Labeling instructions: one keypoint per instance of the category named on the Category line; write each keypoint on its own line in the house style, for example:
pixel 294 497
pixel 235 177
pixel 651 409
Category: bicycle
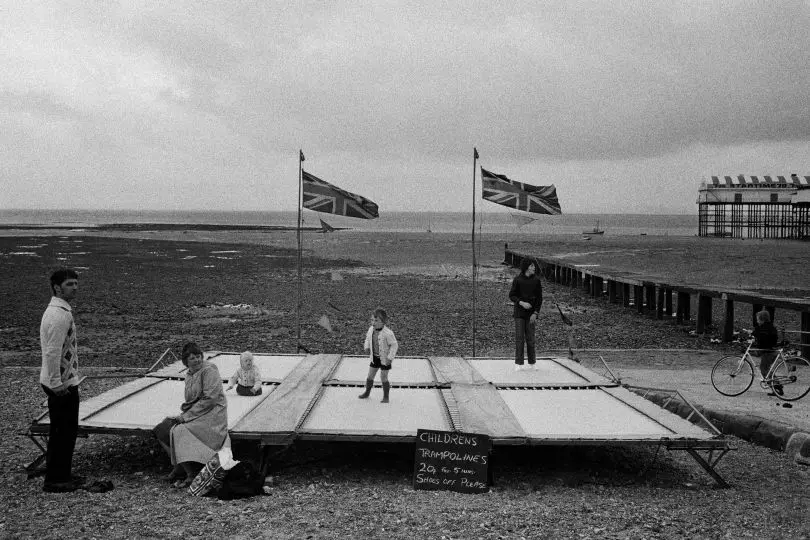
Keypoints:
pixel 788 378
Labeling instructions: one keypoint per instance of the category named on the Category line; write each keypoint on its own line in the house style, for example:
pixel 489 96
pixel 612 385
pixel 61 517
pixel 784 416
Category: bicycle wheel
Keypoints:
pixel 731 375
pixel 793 374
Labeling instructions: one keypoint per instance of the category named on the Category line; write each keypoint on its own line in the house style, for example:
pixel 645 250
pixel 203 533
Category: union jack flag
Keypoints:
pixel 499 189
pixel 322 196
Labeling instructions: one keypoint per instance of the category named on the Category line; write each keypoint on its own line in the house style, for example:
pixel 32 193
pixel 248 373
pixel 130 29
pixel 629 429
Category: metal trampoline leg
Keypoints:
pixel 33 468
pixel 708 466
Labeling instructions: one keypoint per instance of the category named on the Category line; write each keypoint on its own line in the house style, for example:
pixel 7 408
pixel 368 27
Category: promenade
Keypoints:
pixel 754 415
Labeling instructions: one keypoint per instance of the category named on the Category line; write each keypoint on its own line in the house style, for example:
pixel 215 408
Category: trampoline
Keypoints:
pixel 314 397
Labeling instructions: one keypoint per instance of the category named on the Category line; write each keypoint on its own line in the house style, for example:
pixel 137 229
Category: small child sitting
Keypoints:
pixel 248 378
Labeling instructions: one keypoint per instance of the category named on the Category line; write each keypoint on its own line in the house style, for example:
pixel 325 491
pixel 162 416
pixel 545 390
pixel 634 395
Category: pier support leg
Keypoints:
pixel 586 283
pixel 659 304
pixel 684 312
pixel 649 293
pixel 611 286
pixel 625 294
pixel 598 286
pixel 704 313
pixel 668 303
pixel 728 321
pixel 638 297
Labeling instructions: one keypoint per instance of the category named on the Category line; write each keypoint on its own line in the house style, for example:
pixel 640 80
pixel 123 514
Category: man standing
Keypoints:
pixel 59 378
pixel 527 295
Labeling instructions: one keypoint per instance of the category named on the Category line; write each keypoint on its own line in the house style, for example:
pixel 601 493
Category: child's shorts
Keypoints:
pixel 247 390
pixel 376 363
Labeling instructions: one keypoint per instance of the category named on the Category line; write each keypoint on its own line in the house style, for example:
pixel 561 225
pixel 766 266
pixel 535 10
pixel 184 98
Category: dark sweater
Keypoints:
pixel 526 289
pixel 765 336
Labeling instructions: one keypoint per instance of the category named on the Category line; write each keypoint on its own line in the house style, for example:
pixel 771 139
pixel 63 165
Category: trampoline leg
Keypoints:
pixel 33 468
pixel 709 468
pixel 491 469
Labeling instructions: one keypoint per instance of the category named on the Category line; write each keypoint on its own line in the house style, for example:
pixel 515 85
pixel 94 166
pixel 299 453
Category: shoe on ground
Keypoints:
pixel 518 367
pixel 60 487
pixel 533 367
pixel 779 390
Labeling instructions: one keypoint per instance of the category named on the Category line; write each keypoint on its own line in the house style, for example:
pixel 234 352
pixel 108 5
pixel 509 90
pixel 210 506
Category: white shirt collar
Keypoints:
pixel 58 302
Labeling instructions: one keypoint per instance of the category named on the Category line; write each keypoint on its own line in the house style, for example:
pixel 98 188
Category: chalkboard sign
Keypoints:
pixel 451 460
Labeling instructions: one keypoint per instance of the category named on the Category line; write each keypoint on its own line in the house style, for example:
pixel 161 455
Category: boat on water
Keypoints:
pixel 595 231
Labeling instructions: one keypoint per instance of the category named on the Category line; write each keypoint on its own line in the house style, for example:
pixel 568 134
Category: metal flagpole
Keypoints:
pixel 298 235
pixel 475 159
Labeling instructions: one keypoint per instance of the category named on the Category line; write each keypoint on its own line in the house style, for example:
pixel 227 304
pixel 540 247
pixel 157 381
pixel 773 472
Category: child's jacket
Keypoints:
pixel 387 344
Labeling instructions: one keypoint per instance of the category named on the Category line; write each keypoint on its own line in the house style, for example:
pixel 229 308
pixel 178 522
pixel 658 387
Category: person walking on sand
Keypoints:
pixel 59 378
pixel 382 346
pixel 526 294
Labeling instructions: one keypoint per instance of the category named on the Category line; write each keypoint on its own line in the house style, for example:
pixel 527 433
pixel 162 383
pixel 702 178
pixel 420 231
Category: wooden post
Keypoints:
pixel 611 285
pixel 668 302
pixel 805 339
pixel 598 286
pixel 755 308
pixel 659 305
pixel 704 313
pixel 728 322
pixel 625 294
pixel 684 312
pixel 650 296
pixel 586 283
pixel 638 296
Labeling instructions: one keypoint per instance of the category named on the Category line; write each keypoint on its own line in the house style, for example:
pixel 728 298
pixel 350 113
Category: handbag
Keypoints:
pixel 210 477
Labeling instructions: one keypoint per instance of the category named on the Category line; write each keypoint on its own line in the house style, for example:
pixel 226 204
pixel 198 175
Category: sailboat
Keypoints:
pixel 595 231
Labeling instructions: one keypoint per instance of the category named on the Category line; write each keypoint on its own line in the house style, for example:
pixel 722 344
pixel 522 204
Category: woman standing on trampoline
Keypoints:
pixel 201 429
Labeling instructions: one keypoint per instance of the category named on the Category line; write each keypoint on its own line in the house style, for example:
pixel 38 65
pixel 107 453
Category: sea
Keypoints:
pixel 406 222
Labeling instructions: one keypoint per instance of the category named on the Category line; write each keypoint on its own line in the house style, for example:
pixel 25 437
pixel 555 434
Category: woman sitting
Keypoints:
pixel 201 430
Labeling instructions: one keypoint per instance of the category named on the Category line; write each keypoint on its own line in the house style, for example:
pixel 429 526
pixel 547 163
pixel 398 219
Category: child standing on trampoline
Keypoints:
pixel 382 346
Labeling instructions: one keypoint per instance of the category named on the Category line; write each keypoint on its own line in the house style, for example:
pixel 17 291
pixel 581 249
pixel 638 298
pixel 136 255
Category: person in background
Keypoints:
pixel 382 346
pixel 248 378
pixel 766 338
pixel 201 429
pixel 526 294
pixel 59 377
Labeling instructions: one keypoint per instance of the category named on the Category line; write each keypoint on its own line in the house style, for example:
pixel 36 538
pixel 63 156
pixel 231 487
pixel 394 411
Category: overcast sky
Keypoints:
pixel 624 106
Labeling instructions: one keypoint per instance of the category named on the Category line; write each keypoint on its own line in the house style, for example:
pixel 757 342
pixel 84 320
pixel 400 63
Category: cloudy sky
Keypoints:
pixel 623 105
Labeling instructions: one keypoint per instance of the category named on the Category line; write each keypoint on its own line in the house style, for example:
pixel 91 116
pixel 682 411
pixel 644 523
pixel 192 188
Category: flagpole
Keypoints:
pixel 475 159
pixel 298 236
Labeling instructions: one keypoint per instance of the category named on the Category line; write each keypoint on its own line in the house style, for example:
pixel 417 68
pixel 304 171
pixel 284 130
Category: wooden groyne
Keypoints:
pixel 648 295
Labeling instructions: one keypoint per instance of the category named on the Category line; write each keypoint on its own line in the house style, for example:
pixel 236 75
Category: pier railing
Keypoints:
pixel 648 295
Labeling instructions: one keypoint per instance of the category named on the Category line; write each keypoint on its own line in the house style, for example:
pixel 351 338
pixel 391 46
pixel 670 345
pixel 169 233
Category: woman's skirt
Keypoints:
pixel 186 447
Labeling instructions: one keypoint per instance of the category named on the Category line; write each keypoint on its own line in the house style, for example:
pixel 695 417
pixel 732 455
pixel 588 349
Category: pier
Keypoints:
pixel 665 299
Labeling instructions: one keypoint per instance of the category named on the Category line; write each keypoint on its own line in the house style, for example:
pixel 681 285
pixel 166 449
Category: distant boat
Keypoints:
pixel 595 231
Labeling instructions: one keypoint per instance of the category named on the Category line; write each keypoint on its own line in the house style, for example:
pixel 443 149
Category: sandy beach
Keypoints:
pixel 141 294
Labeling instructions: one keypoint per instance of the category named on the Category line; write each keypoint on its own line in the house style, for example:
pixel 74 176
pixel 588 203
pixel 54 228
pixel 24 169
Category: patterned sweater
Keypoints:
pixel 57 335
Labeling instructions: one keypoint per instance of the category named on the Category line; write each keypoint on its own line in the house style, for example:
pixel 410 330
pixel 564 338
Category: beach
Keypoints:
pixel 141 294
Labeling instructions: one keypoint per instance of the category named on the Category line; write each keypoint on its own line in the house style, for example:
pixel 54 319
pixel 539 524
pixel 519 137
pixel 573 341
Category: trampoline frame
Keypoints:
pixel 715 448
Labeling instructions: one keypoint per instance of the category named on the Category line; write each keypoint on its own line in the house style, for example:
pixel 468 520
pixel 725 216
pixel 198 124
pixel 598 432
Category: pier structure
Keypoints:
pixel 755 207
pixel 665 299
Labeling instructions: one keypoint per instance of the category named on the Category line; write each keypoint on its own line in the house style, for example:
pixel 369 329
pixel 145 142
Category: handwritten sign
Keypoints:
pixel 452 461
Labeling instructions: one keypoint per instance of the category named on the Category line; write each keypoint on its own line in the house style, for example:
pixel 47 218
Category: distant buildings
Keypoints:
pixel 755 207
